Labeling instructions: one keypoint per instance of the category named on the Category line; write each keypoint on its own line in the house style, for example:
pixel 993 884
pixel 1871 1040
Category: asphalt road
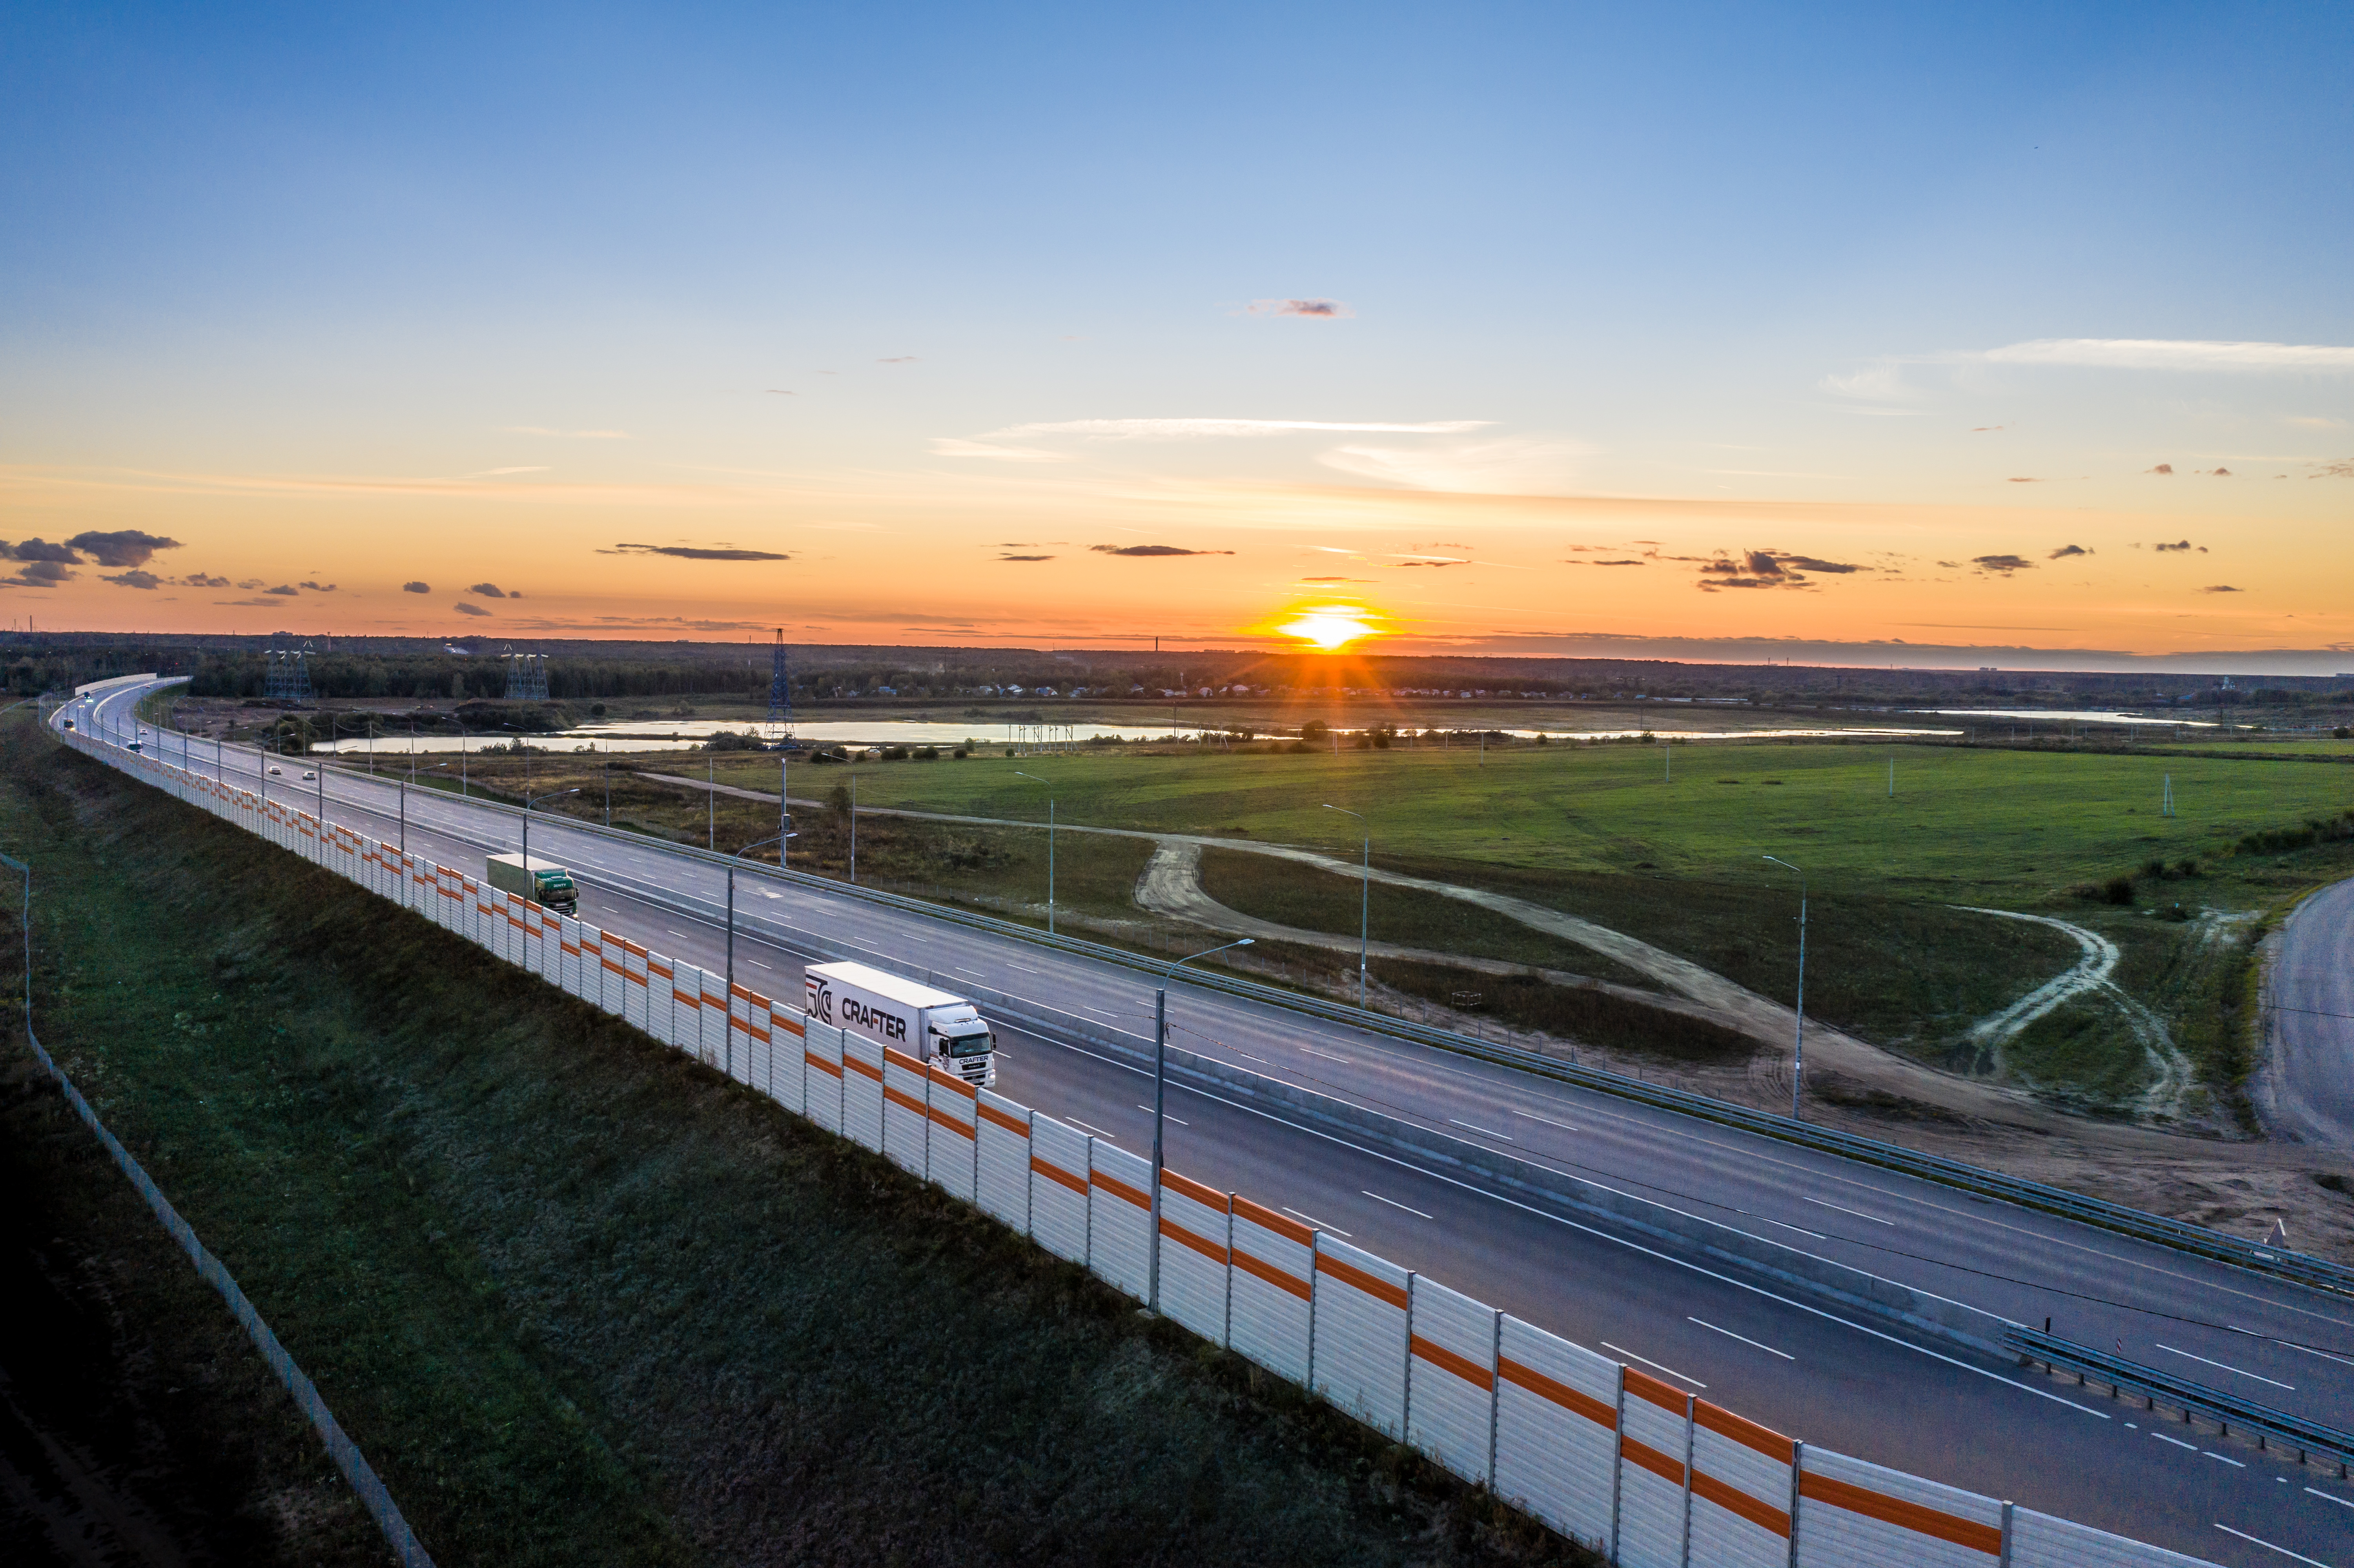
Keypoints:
pixel 1843 1383
pixel 2309 1080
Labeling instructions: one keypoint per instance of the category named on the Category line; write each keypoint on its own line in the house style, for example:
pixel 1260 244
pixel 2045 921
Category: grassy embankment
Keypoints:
pixel 582 1301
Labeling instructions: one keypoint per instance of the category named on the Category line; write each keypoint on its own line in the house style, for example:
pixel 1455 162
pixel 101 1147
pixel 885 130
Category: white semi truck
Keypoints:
pixel 920 1019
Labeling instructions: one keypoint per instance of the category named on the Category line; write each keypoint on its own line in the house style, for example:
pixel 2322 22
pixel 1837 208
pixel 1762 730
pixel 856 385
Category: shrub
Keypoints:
pixel 2186 866
pixel 2118 890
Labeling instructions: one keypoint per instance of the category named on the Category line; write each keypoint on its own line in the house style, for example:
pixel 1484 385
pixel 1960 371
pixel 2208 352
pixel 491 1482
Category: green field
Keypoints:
pixel 1984 825
pixel 581 1301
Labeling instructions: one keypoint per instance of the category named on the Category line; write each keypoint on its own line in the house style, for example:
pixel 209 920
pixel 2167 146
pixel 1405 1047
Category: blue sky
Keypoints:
pixel 787 275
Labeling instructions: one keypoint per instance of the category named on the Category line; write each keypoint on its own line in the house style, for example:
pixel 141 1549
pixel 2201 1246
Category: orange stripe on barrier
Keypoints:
pixel 1645 1457
pixel 688 997
pixel 820 1064
pixel 1184 1237
pixel 1470 1371
pixel 1208 1196
pixel 571 950
pixel 1916 1516
pixel 1765 1516
pixel 615 968
pixel 1119 1189
pixel 1643 1385
pixel 905 1102
pixel 760 1003
pixel 1280 1278
pixel 1267 1218
pixel 1012 1124
pixel 736 988
pixel 1348 1274
pixel 1575 1400
pixel 901 1060
pixel 1747 1432
pixel 855 1065
pixel 1057 1173
pixel 962 1129
pixel 945 1079
pixel 790 1027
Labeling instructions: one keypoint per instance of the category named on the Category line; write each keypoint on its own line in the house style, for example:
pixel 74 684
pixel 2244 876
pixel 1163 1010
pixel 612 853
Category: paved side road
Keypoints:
pixel 2305 1090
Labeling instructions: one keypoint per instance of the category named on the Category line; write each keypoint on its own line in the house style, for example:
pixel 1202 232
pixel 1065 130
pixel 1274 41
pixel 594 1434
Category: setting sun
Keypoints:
pixel 1329 627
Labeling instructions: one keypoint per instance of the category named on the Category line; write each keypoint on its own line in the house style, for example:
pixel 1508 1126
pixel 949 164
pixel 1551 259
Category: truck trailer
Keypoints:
pixel 922 1020
pixel 545 883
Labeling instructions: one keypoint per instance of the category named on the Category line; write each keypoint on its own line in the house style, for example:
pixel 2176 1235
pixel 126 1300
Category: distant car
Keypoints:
pixel 310 776
pixel 274 773
pixel 70 723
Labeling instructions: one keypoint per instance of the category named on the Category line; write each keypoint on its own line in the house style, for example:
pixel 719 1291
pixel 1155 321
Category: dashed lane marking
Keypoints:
pixel 1650 1362
pixel 1394 1203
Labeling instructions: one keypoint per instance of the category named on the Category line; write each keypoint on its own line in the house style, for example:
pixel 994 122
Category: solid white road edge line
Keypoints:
pixel 2268 1546
pixel 2227 1366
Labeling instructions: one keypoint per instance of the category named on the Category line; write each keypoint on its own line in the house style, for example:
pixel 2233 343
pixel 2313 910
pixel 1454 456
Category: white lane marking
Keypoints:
pixel 1025 969
pixel 1100 1011
pixel 1393 1202
pixel 1326 1055
pixel 756 963
pixel 2290 1345
pixel 1099 1132
pixel 1487 1132
pixel 2330 1497
pixel 2176 1441
pixel 1653 1253
pixel 974 973
pixel 1147 1110
pixel 679 934
pixel 1800 1229
pixel 2233 1463
pixel 1650 1362
pixel 1002 1051
pixel 1742 1338
pixel 2268 1546
pixel 1315 1221
pixel 1843 1209
pixel 1532 1115
pixel 2227 1366
pixel 1248 1057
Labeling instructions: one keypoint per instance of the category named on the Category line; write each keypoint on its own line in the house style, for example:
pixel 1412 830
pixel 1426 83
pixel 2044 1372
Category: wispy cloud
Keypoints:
pixel 1310 310
pixel 492 590
pixel 463 608
pixel 1152 550
pixel 1006 557
pixel 1507 467
pixel 417 587
pixel 685 553
pixel 951 446
pixel 2064 551
pixel 2221 588
pixel 2001 564
pixel 1196 428
pixel 2171 354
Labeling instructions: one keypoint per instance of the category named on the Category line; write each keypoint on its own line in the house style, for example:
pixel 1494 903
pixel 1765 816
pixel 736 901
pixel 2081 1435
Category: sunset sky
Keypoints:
pixel 2024 332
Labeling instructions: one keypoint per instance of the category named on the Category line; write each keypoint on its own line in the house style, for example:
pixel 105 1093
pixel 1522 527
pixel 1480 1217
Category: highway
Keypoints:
pixel 1847 1383
pixel 2307 1087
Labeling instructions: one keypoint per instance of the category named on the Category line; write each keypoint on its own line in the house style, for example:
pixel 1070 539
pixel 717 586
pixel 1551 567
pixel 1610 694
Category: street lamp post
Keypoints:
pixel 1799 1047
pixel 528 802
pixel 779 839
pixel 1050 846
pixel 1160 1100
pixel 1365 898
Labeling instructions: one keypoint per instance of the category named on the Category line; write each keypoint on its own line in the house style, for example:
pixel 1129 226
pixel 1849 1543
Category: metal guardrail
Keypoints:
pixel 2311 1439
pixel 2281 1263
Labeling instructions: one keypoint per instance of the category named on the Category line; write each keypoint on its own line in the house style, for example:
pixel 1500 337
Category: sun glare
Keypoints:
pixel 1330 627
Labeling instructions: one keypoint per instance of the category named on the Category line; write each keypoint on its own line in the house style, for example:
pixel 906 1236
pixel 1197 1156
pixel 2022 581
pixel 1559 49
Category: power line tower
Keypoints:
pixel 527 676
pixel 780 691
pixel 286 675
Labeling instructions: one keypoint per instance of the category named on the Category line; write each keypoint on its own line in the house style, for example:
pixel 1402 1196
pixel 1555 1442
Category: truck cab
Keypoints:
pixel 942 1027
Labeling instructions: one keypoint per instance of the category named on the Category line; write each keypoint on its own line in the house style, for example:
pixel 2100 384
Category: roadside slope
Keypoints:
pixel 583 1301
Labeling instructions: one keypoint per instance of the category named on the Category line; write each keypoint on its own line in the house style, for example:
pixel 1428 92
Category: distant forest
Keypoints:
pixel 420 670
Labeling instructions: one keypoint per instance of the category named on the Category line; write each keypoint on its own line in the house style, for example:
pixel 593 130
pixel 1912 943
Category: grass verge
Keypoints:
pixel 582 1301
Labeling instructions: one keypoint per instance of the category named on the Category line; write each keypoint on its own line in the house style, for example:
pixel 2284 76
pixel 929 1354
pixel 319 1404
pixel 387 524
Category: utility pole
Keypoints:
pixel 1798 1046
